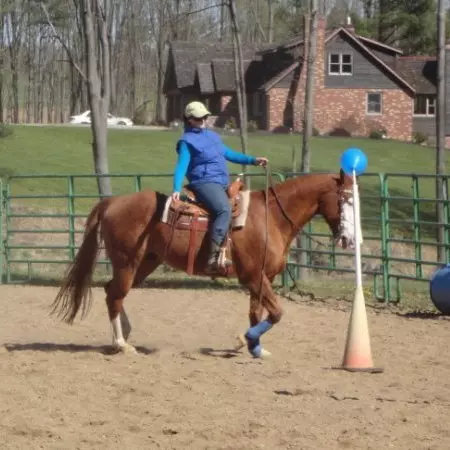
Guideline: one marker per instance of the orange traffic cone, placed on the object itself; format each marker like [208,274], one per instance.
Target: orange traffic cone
[358,355]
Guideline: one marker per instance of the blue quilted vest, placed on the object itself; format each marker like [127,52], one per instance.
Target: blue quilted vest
[208,163]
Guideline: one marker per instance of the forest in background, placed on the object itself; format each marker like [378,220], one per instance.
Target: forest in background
[41,55]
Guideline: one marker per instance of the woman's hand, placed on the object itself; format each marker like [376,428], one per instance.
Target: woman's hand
[175,196]
[261,161]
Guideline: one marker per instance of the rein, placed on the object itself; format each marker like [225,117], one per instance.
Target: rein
[269,186]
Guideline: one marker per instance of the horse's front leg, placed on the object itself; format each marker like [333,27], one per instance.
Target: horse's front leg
[263,294]
[255,316]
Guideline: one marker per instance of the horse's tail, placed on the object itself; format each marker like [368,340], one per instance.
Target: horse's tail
[75,292]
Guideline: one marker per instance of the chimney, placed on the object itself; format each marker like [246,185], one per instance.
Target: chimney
[349,26]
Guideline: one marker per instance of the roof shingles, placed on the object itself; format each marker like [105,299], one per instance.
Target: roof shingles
[212,64]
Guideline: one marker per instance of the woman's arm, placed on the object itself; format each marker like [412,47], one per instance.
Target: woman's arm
[238,158]
[184,158]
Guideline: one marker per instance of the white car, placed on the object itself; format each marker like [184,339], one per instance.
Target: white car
[85,118]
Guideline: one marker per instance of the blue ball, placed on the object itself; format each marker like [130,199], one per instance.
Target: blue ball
[440,289]
[353,159]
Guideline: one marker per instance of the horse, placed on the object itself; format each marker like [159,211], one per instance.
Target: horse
[137,241]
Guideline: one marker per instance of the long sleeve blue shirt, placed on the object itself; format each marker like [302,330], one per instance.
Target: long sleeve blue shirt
[184,158]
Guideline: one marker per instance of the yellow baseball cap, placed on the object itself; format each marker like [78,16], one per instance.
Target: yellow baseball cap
[196,109]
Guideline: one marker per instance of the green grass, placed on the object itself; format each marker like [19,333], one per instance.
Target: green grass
[67,150]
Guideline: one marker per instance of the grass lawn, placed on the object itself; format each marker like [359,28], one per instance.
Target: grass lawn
[67,150]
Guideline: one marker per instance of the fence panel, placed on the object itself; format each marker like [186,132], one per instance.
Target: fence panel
[45,214]
[42,222]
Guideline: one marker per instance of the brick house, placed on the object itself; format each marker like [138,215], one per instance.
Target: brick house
[360,84]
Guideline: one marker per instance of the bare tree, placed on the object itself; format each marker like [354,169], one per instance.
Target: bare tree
[239,72]
[97,78]
[271,13]
[441,194]
[311,43]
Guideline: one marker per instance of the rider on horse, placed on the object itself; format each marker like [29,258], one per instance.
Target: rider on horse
[202,158]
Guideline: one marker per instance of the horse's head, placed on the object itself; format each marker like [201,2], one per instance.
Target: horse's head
[336,207]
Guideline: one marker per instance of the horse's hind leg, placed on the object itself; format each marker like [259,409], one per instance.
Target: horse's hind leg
[147,266]
[122,326]
[116,291]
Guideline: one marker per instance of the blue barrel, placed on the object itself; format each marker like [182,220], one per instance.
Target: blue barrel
[440,289]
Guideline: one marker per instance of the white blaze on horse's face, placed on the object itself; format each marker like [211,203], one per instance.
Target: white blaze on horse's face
[346,236]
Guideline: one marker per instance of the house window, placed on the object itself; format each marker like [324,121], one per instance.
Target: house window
[340,64]
[374,103]
[425,105]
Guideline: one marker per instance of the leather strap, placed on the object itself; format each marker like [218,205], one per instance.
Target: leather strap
[192,244]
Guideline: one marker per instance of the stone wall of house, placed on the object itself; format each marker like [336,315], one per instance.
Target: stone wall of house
[277,103]
[343,111]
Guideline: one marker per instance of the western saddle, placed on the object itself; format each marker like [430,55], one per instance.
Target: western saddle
[190,215]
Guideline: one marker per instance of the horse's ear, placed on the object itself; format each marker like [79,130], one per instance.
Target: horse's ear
[342,176]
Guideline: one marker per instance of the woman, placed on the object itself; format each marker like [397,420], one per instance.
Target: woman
[202,158]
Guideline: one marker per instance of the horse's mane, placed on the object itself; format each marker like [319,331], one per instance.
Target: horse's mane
[304,183]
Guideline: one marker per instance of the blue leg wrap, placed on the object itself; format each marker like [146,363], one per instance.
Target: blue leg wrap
[254,333]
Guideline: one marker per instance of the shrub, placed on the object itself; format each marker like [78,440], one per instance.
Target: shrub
[231,123]
[420,138]
[378,133]
[252,126]
[5,131]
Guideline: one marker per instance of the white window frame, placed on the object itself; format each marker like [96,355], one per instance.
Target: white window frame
[428,105]
[372,113]
[341,63]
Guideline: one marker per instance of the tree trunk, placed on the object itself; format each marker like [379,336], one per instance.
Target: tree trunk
[311,43]
[97,64]
[441,194]
[271,20]
[309,89]
[239,73]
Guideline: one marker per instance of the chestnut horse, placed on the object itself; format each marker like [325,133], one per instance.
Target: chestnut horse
[137,242]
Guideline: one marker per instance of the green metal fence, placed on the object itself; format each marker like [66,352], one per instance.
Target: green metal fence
[43,221]
[43,228]
[399,230]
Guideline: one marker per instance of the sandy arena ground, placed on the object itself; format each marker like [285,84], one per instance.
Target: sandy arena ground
[60,390]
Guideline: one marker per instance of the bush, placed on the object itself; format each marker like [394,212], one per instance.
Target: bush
[376,134]
[143,114]
[315,132]
[231,123]
[252,126]
[5,131]
[420,138]
[379,133]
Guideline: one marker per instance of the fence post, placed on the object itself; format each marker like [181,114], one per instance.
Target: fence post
[385,250]
[71,218]
[416,225]
[1,233]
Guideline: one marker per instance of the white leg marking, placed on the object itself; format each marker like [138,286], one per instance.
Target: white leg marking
[119,341]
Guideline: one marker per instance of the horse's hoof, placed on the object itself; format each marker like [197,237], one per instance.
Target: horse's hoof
[241,342]
[127,349]
[259,353]
[265,354]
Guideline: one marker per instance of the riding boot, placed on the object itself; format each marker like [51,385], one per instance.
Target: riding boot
[212,266]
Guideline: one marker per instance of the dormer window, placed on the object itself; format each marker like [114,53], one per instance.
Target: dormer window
[340,64]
